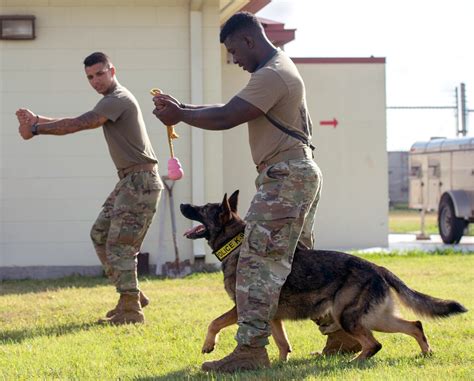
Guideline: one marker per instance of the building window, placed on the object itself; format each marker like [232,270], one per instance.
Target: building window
[17,27]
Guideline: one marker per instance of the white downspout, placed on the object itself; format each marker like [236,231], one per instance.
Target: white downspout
[197,135]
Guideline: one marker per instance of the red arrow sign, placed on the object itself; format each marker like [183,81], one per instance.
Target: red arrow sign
[332,122]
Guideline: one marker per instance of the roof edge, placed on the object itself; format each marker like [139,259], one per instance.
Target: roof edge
[254,6]
[337,60]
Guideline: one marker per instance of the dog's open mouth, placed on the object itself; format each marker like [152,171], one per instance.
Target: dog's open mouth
[197,232]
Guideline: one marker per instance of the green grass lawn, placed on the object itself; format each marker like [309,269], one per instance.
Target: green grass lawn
[409,221]
[48,331]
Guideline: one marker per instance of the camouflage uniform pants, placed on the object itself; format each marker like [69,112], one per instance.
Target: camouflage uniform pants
[122,224]
[281,213]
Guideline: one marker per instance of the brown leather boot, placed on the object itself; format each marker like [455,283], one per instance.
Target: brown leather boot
[130,311]
[242,358]
[339,342]
[144,301]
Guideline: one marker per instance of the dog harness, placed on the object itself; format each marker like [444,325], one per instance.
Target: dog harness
[229,247]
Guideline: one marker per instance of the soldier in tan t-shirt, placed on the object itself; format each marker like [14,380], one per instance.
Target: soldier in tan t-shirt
[121,226]
[288,184]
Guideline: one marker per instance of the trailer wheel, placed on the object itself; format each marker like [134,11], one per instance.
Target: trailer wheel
[451,228]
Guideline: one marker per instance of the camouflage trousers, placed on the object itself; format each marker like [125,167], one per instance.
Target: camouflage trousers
[281,214]
[121,226]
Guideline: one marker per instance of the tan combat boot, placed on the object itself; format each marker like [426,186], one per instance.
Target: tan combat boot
[242,358]
[130,311]
[144,301]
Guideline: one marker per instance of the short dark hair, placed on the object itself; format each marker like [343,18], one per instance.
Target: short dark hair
[97,57]
[239,21]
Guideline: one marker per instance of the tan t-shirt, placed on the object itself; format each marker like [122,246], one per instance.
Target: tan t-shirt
[278,90]
[125,130]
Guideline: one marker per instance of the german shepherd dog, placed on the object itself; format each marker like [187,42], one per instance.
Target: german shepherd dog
[354,291]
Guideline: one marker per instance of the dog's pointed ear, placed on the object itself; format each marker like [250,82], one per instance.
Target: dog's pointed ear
[234,200]
[226,213]
[225,204]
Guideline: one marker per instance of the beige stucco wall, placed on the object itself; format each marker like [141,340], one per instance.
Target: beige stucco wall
[353,212]
[52,187]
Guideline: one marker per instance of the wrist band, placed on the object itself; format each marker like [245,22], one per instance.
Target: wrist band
[34,129]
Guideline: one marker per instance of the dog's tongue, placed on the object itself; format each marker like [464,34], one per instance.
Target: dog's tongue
[191,233]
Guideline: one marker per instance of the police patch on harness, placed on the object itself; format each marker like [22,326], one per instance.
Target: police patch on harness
[229,247]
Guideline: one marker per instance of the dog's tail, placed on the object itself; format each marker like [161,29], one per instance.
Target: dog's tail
[421,304]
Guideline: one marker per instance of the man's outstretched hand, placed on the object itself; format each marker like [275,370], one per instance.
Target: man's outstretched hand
[25,115]
[26,119]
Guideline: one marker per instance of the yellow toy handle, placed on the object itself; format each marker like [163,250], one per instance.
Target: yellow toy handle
[169,129]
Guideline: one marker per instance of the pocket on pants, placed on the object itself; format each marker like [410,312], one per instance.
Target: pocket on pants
[132,229]
[270,239]
[256,243]
[144,182]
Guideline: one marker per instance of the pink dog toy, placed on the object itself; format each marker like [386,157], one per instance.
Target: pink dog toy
[175,170]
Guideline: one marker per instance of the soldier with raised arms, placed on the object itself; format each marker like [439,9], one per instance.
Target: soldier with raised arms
[121,226]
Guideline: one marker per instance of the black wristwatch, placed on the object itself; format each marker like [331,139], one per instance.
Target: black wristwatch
[34,129]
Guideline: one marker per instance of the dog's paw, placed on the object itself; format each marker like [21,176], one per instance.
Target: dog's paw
[284,356]
[427,353]
[207,347]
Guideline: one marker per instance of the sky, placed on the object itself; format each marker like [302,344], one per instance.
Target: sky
[425,43]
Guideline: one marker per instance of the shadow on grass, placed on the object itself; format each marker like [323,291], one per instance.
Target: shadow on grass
[28,286]
[292,370]
[16,336]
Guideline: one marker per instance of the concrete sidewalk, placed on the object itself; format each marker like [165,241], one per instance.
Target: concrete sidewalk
[405,242]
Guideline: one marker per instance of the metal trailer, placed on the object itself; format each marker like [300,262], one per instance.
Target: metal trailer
[441,178]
